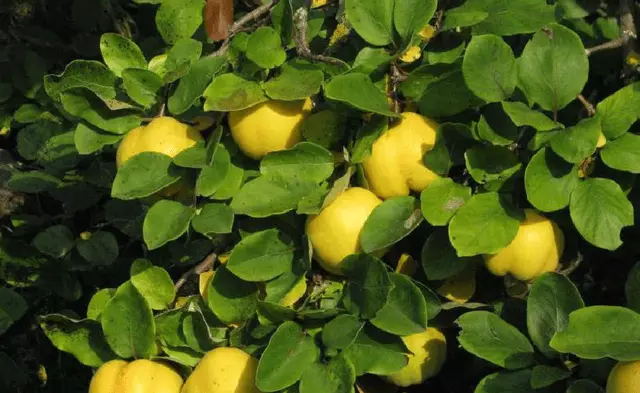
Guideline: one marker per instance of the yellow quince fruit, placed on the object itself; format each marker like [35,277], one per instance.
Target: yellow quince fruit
[164,135]
[428,354]
[459,288]
[269,126]
[624,378]
[395,166]
[535,250]
[139,376]
[224,370]
[335,232]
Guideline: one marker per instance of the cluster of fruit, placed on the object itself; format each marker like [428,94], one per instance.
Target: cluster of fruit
[394,168]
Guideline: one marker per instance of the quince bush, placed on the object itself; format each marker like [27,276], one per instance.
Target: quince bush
[322,197]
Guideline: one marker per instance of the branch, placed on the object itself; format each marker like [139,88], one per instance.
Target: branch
[396,78]
[628,34]
[300,36]
[591,110]
[240,25]
[205,265]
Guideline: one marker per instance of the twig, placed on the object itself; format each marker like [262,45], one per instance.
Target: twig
[573,265]
[591,110]
[628,34]
[300,18]
[613,44]
[240,24]
[205,265]
[396,78]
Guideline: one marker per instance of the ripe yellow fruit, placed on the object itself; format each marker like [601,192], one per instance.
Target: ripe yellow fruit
[535,250]
[269,126]
[396,165]
[335,232]
[459,288]
[164,135]
[224,370]
[624,378]
[296,293]
[428,354]
[139,376]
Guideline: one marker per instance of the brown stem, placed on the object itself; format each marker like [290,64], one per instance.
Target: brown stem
[573,265]
[240,24]
[396,77]
[205,265]
[613,44]
[591,110]
[300,18]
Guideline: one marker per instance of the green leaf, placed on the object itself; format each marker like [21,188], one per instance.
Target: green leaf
[358,91]
[143,86]
[337,376]
[549,181]
[230,298]
[463,17]
[411,16]
[522,115]
[439,258]
[482,214]
[578,142]
[33,182]
[441,200]
[611,341]
[553,68]
[128,324]
[366,136]
[99,302]
[271,195]
[81,338]
[33,137]
[391,221]
[274,313]
[153,283]
[370,59]
[543,376]
[264,48]
[196,332]
[632,288]
[619,111]
[405,312]
[88,74]
[489,68]
[447,96]
[372,20]
[496,127]
[584,386]
[368,285]
[27,113]
[100,249]
[12,308]
[212,177]
[144,174]
[184,52]
[622,153]
[83,104]
[506,382]
[297,81]
[599,210]
[55,241]
[119,53]
[89,140]
[59,152]
[452,141]
[261,256]
[288,355]
[178,19]
[192,86]
[213,219]
[6,90]
[491,164]
[376,352]
[341,331]
[488,337]
[551,299]
[504,17]
[306,161]
[166,221]
[231,92]
[324,128]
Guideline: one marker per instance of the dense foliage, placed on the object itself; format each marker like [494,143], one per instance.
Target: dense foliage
[166,253]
